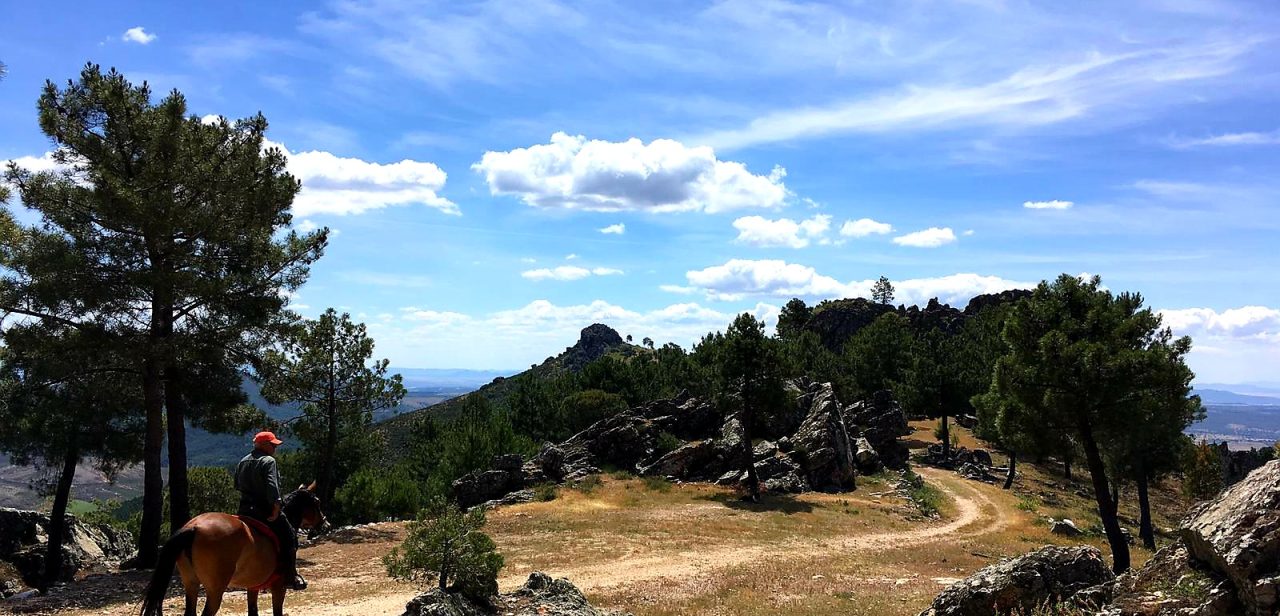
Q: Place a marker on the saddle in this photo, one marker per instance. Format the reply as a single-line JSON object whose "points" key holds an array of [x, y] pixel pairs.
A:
{"points": [[258, 526]]}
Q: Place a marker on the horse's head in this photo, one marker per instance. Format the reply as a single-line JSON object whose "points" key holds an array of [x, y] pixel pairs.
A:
{"points": [[304, 505]]}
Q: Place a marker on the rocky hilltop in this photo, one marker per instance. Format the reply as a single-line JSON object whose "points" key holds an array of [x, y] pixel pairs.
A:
{"points": [[835, 321], [1225, 562], [815, 444]]}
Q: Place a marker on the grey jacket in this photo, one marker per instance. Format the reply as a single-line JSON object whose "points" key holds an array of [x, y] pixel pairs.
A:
{"points": [[258, 481]]}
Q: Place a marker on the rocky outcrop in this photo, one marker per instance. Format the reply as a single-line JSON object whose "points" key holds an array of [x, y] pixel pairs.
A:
{"points": [[1171, 583], [829, 444], [24, 540], [1021, 584], [593, 343], [1238, 535], [540, 596]]}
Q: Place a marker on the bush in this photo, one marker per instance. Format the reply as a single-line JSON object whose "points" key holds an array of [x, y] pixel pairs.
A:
{"points": [[446, 545], [667, 443], [545, 492], [588, 484], [1028, 503], [211, 488], [1202, 471], [657, 484], [373, 495]]}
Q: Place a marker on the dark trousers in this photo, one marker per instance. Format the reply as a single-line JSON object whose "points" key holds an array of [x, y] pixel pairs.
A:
{"points": [[288, 560]]}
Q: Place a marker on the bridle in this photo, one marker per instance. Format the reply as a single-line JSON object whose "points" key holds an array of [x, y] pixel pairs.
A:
{"points": [[313, 500]]}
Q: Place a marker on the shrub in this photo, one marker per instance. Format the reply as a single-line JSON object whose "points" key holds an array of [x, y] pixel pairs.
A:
{"points": [[667, 443], [588, 484], [447, 546], [211, 488], [620, 475], [1202, 471], [1028, 503], [373, 495], [544, 492], [657, 484]]}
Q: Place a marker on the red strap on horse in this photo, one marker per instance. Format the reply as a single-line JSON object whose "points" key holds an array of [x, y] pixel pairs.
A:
{"points": [[261, 528]]}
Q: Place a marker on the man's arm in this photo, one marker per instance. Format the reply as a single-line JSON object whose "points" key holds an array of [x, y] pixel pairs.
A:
{"points": [[272, 485]]}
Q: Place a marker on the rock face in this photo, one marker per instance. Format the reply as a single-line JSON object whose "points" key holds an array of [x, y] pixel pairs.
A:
{"points": [[593, 343], [1019, 585], [817, 444], [1238, 535], [24, 537], [540, 596]]}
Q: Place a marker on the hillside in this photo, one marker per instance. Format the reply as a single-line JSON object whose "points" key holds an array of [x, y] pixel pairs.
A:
{"points": [[594, 342], [657, 549]]}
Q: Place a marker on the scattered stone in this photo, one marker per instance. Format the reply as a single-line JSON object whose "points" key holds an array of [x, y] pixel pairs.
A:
{"points": [[540, 596], [1021, 584], [1065, 527]]}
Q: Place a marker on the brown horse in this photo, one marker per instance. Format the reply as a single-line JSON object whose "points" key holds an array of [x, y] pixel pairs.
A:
{"points": [[219, 551]]}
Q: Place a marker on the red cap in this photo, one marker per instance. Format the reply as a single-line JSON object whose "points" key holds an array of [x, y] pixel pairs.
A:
{"points": [[266, 437]]}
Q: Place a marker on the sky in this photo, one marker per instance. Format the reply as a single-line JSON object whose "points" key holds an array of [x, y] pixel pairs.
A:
{"points": [[498, 175]]}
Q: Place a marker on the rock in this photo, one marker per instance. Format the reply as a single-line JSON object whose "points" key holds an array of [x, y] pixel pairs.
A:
{"points": [[976, 472], [593, 343], [779, 473], [823, 444], [983, 457], [482, 486], [865, 454], [550, 460], [540, 596], [880, 420], [1172, 583], [514, 498], [1238, 535], [1065, 527], [700, 459], [1019, 585], [24, 537]]}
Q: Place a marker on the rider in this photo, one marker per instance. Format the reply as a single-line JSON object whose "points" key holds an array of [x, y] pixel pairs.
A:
{"points": [[258, 481]]}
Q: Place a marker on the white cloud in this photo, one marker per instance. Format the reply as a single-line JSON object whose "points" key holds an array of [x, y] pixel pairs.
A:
{"points": [[617, 229], [335, 185], [738, 279], [1047, 205], [571, 256], [137, 35], [763, 232], [569, 272], [661, 176], [36, 164], [1230, 346], [1228, 139], [1258, 322], [863, 227], [305, 226], [927, 238]]}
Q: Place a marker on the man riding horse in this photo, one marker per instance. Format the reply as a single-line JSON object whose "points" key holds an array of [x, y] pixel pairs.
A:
{"points": [[258, 480]]}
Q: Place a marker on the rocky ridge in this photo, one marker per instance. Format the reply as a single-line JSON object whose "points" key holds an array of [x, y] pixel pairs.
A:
{"points": [[816, 444]]}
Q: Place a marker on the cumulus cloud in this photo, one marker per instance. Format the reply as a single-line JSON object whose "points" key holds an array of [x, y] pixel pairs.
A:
{"points": [[863, 227], [568, 272], [36, 164], [1047, 205], [617, 229], [137, 35], [528, 334], [335, 185], [928, 238], [1258, 322], [763, 233], [663, 175], [738, 279]]}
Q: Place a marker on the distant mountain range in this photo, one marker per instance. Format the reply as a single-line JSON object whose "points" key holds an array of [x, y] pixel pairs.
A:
{"points": [[1222, 396]]}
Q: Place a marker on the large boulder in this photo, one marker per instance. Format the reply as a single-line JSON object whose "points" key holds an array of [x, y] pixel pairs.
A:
{"points": [[24, 540], [1019, 585], [881, 421], [1170, 584], [540, 596], [691, 460], [1238, 535], [506, 476], [823, 445]]}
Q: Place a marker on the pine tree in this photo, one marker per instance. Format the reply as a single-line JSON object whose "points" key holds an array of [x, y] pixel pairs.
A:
{"points": [[882, 291], [792, 319], [164, 231], [325, 365], [751, 370]]}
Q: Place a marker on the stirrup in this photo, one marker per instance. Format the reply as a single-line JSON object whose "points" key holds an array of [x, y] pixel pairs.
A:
{"points": [[296, 582]]}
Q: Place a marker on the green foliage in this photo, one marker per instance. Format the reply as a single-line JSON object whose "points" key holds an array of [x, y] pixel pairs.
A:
{"points": [[792, 319], [545, 492], [588, 484], [1202, 471], [377, 494], [655, 483], [211, 488], [447, 546], [882, 291], [667, 443], [1028, 503], [879, 355], [442, 451], [926, 498]]}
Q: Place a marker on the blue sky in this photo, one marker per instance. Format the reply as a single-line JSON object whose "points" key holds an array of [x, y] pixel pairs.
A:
{"points": [[499, 175]]}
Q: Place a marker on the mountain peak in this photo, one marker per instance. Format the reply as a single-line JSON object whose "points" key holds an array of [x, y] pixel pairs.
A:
{"points": [[593, 343]]}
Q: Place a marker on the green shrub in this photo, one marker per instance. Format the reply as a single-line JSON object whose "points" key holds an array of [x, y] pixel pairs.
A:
{"points": [[1028, 503], [667, 443], [1202, 471], [657, 483], [373, 495], [927, 498], [545, 492], [621, 475], [211, 488], [447, 546], [588, 484]]}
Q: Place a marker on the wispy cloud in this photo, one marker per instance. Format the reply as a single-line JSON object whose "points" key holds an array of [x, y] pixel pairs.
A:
{"points": [[615, 229], [568, 272], [932, 237], [1226, 139], [1047, 205], [137, 35]]}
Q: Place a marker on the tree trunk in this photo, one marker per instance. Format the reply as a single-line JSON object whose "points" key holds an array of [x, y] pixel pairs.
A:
{"points": [[1145, 531], [152, 482], [175, 413], [1013, 463], [1106, 507], [946, 438], [327, 488], [444, 575], [1066, 467], [748, 457], [58, 518]]}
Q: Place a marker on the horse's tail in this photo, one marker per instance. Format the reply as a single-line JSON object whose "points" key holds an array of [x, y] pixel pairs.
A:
{"points": [[179, 543]]}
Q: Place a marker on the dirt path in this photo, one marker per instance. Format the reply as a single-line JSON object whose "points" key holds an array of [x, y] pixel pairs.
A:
{"points": [[347, 579]]}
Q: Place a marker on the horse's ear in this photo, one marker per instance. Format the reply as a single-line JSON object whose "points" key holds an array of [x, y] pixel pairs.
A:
{"points": [[302, 486], [312, 488]]}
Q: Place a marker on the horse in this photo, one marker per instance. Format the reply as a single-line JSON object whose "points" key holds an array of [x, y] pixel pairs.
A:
{"points": [[218, 551]]}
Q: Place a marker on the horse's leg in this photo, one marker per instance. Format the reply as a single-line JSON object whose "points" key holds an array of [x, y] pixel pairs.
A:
{"points": [[277, 598], [252, 599], [212, 600], [190, 584]]}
